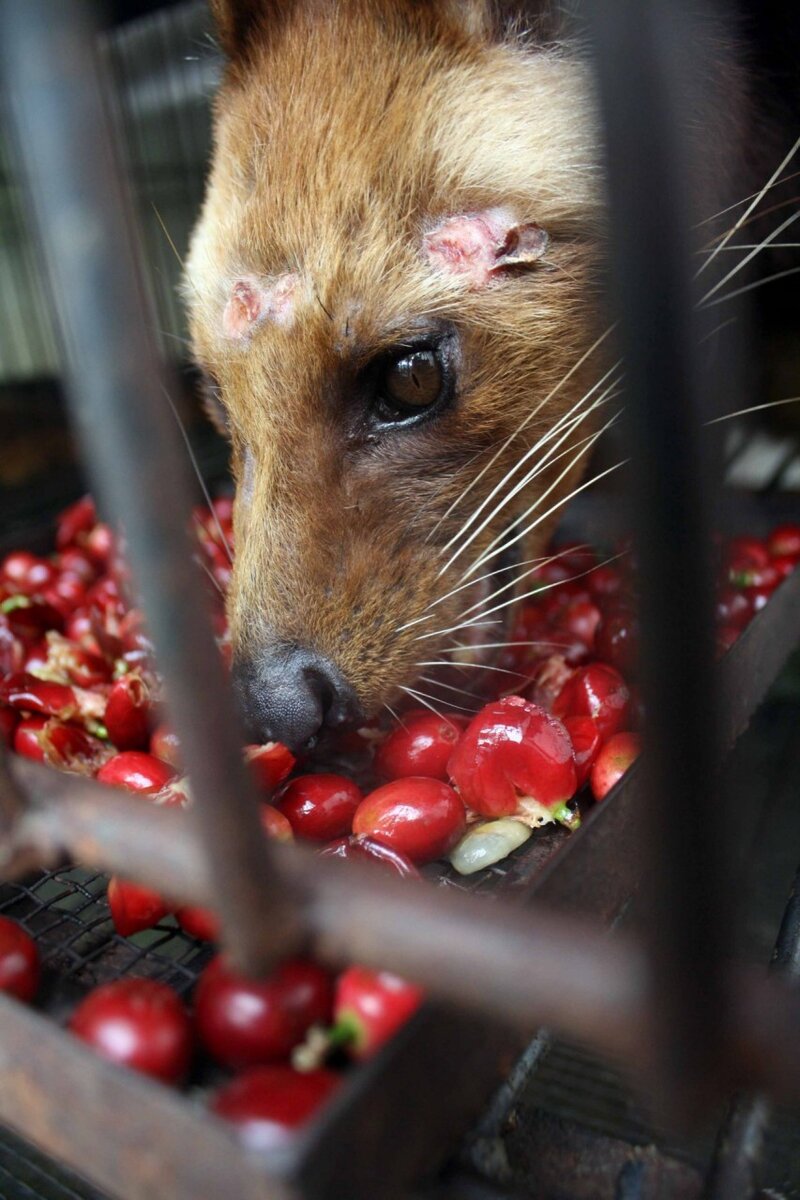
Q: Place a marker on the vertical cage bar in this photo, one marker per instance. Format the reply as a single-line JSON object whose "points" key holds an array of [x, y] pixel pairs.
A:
{"points": [[116, 394], [644, 55]]}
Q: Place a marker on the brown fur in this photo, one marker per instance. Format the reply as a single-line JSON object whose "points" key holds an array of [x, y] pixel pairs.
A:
{"points": [[343, 132]]}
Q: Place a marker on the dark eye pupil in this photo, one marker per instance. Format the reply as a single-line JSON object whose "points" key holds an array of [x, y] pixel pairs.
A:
{"points": [[414, 381]]}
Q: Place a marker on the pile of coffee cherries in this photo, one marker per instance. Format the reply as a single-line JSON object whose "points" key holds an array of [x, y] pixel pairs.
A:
{"points": [[79, 691]]}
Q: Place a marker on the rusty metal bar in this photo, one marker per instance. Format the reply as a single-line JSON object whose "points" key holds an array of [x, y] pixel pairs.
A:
{"points": [[740, 1144], [643, 61], [535, 965], [137, 464]]}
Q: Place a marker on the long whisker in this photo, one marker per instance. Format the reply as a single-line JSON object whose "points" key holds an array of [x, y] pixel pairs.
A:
{"points": [[541, 464], [448, 687], [420, 696], [563, 422], [198, 472], [394, 715], [518, 579], [490, 550], [542, 560], [210, 575], [739, 203], [741, 412], [753, 205], [476, 479], [749, 287], [554, 508], [768, 240]]}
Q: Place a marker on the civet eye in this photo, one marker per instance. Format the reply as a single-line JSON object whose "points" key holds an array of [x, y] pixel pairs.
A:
{"points": [[409, 384]]}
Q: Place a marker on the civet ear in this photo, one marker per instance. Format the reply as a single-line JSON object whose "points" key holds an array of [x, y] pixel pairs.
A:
{"points": [[253, 300], [236, 21], [495, 20], [478, 247]]}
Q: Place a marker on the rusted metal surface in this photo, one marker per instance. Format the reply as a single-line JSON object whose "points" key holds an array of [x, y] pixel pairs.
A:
{"points": [[646, 48], [116, 393], [740, 1143]]}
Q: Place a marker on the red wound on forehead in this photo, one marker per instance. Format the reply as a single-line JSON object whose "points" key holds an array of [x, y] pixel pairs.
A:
{"points": [[254, 300], [477, 246]]}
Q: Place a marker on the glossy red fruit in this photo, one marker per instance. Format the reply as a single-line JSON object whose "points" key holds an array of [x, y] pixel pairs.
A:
{"points": [[72, 749], [76, 520], [164, 744], [76, 564], [596, 691], [136, 771], [275, 824], [268, 1105], [133, 907], [422, 818], [420, 745], [269, 764], [369, 1009], [128, 712], [785, 565], [586, 742], [9, 719], [26, 693], [784, 541], [743, 552], [137, 1023], [26, 572], [604, 581], [733, 607], [245, 1022], [99, 544], [30, 617], [320, 807], [200, 923], [581, 619], [615, 756], [26, 738], [513, 748], [19, 961], [364, 849], [617, 641]]}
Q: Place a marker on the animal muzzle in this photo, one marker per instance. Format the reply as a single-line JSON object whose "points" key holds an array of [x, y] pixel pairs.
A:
{"points": [[289, 693]]}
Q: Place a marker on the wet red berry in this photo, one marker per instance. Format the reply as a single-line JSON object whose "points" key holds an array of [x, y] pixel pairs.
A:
{"points": [[364, 849], [421, 818], [513, 748], [596, 691], [420, 745], [320, 807], [244, 1022], [134, 907], [268, 1105], [136, 771], [615, 756], [19, 961], [370, 1007], [137, 1023]]}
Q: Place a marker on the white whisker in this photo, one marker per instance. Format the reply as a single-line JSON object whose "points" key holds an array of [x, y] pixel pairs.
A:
{"points": [[564, 422], [749, 287], [547, 459], [197, 471], [420, 696], [748, 257], [758, 197], [490, 549], [554, 508], [741, 412], [739, 203], [449, 687], [522, 426]]}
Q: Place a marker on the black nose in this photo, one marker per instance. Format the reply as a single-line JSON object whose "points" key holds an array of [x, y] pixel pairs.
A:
{"points": [[290, 694]]}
